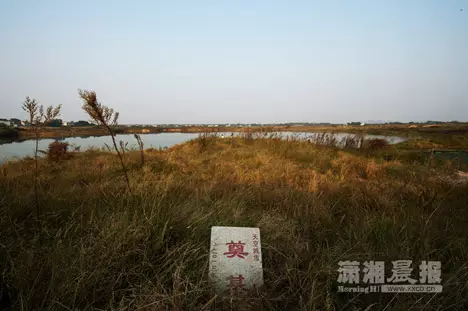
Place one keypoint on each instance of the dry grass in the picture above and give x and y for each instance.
(104, 248)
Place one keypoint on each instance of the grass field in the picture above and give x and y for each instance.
(98, 247)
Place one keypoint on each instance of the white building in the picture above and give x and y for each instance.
(5, 122)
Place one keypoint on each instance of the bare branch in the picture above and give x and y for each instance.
(116, 116)
(48, 113)
(39, 116)
(56, 111)
(30, 106)
(52, 113)
(99, 113)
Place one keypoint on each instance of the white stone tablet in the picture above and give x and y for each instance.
(235, 259)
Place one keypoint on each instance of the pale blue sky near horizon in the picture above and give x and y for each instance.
(239, 61)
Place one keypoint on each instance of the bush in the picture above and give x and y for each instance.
(376, 143)
(8, 132)
(58, 151)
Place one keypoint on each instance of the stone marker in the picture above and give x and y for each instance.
(235, 259)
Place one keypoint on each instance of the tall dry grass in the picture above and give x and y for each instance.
(107, 249)
(105, 116)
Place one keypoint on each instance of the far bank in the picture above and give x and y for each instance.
(384, 129)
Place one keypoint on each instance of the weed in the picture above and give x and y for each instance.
(141, 146)
(103, 115)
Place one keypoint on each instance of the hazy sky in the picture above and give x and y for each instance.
(199, 61)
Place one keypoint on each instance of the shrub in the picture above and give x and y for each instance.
(58, 151)
(376, 143)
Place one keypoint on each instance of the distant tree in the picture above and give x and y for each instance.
(15, 121)
(54, 123)
(82, 123)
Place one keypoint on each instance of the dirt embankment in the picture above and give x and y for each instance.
(59, 132)
(404, 129)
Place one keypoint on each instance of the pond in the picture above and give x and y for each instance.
(20, 149)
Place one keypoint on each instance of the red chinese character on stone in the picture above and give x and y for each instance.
(254, 237)
(236, 284)
(236, 249)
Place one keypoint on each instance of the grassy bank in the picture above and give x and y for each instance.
(101, 247)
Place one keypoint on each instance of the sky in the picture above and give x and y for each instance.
(243, 61)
